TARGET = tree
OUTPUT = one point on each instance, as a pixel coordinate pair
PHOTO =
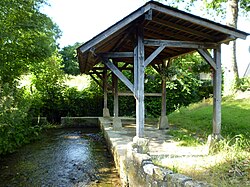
(48, 79)
(229, 9)
(70, 64)
(27, 37)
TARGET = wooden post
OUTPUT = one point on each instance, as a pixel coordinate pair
(117, 125)
(217, 94)
(105, 94)
(116, 109)
(163, 123)
(139, 82)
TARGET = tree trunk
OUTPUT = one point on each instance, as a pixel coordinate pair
(230, 67)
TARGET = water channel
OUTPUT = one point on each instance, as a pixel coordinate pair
(62, 157)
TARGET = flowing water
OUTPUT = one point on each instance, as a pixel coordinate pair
(62, 157)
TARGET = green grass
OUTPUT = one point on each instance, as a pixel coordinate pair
(229, 165)
(195, 122)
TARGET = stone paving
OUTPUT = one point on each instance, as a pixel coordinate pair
(160, 144)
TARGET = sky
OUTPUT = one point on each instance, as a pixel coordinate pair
(81, 20)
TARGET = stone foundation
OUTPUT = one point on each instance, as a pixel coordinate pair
(137, 169)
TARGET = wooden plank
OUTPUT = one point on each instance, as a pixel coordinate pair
(153, 55)
(184, 29)
(125, 38)
(199, 21)
(180, 44)
(217, 94)
(116, 55)
(206, 55)
(119, 74)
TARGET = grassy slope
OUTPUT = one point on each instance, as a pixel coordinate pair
(196, 119)
(231, 165)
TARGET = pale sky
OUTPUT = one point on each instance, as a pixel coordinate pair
(81, 20)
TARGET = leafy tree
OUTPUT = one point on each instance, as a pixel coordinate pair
(229, 9)
(183, 84)
(48, 80)
(70, 64)
(27, 37)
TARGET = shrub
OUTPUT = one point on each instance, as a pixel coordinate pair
(15, 124)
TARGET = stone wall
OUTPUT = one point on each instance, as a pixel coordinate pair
(137, 169)
(141, 172)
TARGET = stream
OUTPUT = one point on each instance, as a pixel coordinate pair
(62, 157)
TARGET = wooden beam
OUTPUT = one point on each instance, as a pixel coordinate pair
(105, 94)
(100, 84)
(149, 15)
(132, 94)
(116, 99)
(184, 29)
(217, 77)
(98, 68)
(119, 74)
(125, 38)
(95, 80)
(139, 65)
(180, 44)
(98, 74)
(153, 55)
(206, 55)
(117, 55)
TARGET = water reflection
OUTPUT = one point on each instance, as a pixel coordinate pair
(63, 157)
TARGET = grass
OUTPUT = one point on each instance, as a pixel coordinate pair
(193, 124)
(229, 165)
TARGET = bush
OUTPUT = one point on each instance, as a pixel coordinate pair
(243, 83)
(16, 128)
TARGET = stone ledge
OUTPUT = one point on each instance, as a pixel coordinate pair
(137, 169)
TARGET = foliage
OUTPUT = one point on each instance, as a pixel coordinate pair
(224, 9)
(15, 125)
(87, 102)
(70, 64)
(49, 85)
(243, 83)
(218, 5)
(183, 84)
(27, 37)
